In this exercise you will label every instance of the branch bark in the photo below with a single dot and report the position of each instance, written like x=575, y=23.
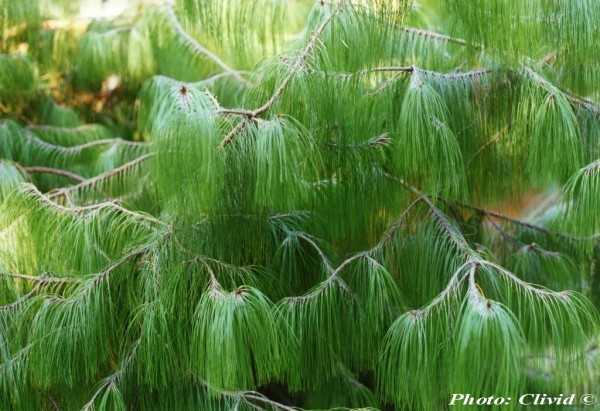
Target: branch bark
x=103, y=176
x=251, y=114
x=192, y=42
x=55, y=171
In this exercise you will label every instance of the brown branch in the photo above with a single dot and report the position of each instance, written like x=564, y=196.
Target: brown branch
x=232, y=133
x=42, y=279
x=523, y=284
x=525, y=224
x=55, y=171
x=246, y=395
x=81, y=147
x=456, y=238
x=212, y=98
x=105, y=273
x=60, y=128
x=453, y=284
x=20, y=300
x=574, y=100
x=487, y=212
x=411, y=69
x=395, y=226
x=488, y=143
x=578, y=101
x=103, y=176
x=251, y=114
x=109, y=204
x=512, y=239
x=299, y=63
x=192, y=42
x=114, y=378
x=437, y=36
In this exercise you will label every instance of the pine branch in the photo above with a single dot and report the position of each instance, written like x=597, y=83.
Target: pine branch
x=104, y=176
x=301, y=59
x=204, y=82
x=408, y=70
x=94, y=207
x=84, y=127
x=233, y=132
x=511, y=239
x=219, y=76
x=314, y=245
x=437, y=36
x=526, y=286
x=81, y=147
x=202, y=50
x=21, y=300
x=474, y=291
x=55, y=171
x=454, y=283
x=333, y=274
x=456, y=238
x=106, y=272
x=44, y=278
x=215, y=287
x=487, y=212
x=397, y=225
x=249, y=395
x=525, y=224
x=574, y=100
x=114, y=378
x=491, y=141
x=99, y=277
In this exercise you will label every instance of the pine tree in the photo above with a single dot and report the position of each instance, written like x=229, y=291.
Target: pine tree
x=271, y=204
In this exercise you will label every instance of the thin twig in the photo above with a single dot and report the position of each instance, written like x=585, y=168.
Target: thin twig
x=512, y=239
x=247, y=395
x=454, y=282
x=490, y=213
x=574, y=100
x=251, y=114
x=488, y=143
x=523, y=284
x=333, y=273
x=389, y=233
x=212, y=79
x=102, y=176
x=83, y=127
x=55, y=171
x=314, y=245
x=456, y=238
x=21, y=300
x=114, y=378
x=98, y=277
x=525, y=224
x=212, y=99
x=192, y=42
x=409, y=70
x=94, y=207
x=44, y=278
x=81, y=147
x=436, y=36
x=233, y=132
x=474, y=291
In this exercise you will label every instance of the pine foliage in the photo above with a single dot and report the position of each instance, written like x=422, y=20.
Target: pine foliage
x=287, y=204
